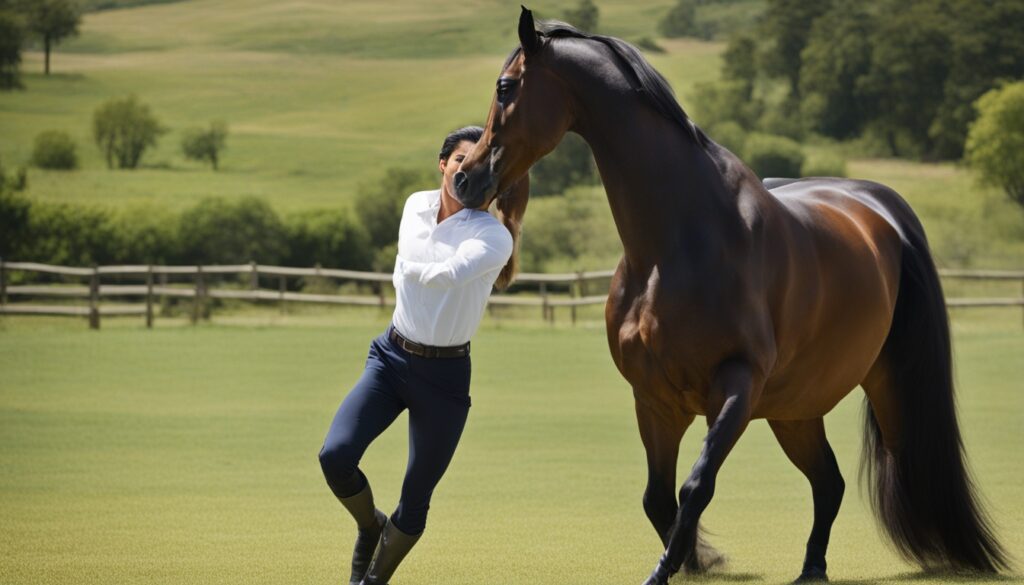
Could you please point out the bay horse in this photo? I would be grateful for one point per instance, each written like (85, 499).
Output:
(737, 303)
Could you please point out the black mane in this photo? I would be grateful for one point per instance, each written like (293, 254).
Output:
(646, 78)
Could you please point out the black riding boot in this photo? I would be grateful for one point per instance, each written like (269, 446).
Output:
(394, 545)
(370, 522)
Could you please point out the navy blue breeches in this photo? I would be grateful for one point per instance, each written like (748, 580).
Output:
(436, 392)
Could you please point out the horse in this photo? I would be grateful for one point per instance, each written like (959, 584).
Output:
(736, 303)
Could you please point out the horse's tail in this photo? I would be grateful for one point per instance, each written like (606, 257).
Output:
(921, 489)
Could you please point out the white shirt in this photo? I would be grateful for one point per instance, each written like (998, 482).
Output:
(445, 271)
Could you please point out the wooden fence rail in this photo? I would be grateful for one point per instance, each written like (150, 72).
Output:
(199, 291)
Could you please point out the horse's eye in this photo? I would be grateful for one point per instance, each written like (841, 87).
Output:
(505, 87)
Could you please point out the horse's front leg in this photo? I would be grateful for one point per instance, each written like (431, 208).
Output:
(729, 407)
(661, 430)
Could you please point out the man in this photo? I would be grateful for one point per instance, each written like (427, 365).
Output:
(449, 257)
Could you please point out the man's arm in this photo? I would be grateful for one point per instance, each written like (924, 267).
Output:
(473, 258)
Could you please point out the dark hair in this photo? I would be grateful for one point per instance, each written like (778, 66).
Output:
(467, 134)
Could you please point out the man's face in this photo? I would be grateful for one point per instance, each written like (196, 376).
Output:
(451, 166)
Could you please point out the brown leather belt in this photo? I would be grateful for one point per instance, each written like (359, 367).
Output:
(428, 351)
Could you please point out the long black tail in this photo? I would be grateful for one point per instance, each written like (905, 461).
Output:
(921, 490)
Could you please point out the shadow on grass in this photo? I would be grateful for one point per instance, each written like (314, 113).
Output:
(921, 576)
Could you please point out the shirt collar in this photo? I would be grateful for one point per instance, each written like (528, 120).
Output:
(429, 213)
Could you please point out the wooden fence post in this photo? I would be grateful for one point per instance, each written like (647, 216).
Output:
(149, 297)
(94, 298)
(197, 297)
(254, 276)
(577, 292)
(281, 288)
(163, 284)
(544, 301)
(3, 283)
(380, 295)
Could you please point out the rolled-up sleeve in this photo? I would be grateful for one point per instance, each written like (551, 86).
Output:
(474, 257)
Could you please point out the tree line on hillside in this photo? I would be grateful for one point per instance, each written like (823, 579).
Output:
(904, 72)
(213, 231)
(559, 236)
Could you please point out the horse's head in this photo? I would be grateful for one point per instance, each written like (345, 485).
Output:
(529, 115)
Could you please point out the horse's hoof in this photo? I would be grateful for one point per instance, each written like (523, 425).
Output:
(812, 574)
(658, 577)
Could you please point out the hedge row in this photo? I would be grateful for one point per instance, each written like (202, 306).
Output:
(214, 231)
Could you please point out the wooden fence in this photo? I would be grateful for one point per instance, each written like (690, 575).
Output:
(567, 290)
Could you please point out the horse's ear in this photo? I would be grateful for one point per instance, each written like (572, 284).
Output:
(511, 209)
(527, 32)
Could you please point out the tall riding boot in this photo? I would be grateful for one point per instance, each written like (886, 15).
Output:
(394, 545)
(370, 522)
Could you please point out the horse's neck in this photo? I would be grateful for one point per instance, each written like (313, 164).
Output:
(666, 193)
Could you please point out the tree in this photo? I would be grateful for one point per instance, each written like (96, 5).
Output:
(584, 16)
(379, 205)
(680, 20)
(14, 219)
(124, 129)
(995, 143)
(54, 20)
(987, 47)
(11, 38)
(787, 25)
(570, 163)
(739, 63)
(835, 60)
(910, 63)
(205, 144)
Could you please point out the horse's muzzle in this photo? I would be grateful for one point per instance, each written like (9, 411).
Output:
(472, 191)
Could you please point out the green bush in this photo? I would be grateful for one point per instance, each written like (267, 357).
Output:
(332, 239)
(648, 45)
(773, 156)
(217, 231)
(14, 223)
(730, 135)
(680, 20)
(379, 205)
(73, 235)
(55, 149)
(823, 164)
(147, 234)
(12, 37)
(569, 164)
(584, 17)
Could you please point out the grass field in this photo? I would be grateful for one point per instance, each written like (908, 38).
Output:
(188, 455)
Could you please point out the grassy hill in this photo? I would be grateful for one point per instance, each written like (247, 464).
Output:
(319, 95)
(322, 96)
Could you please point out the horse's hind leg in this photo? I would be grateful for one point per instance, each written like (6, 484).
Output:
(807, 447)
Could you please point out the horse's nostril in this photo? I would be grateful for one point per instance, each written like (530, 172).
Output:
(461, 181)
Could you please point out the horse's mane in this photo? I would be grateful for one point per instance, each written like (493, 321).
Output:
(646, 78)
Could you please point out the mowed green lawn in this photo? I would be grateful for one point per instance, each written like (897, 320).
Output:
(188, 455)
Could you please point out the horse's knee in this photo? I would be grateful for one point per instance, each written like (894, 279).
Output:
(696, 493)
